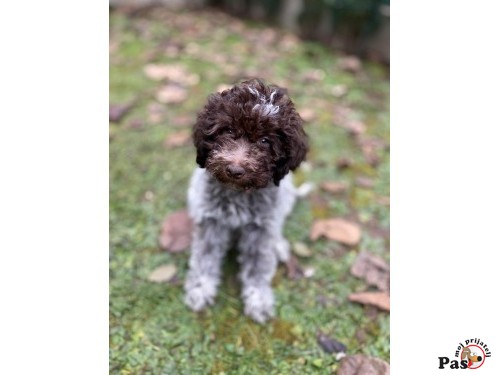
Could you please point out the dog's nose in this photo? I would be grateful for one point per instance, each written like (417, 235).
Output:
(235, 171)
(479, 358)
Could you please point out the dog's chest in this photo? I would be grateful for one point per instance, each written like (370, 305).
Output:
(236, 210)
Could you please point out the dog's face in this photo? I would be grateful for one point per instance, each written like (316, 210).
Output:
(249, 135)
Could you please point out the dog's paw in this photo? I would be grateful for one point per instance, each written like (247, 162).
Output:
(259, 303)
(200, 295)
(282, 249)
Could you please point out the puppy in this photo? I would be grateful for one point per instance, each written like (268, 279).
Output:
(247, 139)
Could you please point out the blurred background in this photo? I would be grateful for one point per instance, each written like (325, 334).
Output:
(165, 58)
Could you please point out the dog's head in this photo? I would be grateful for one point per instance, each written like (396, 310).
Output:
(249, 135)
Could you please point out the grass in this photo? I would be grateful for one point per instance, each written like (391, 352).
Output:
(151, 330)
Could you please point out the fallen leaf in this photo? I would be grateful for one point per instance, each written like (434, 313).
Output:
(336, 229)
(339, 90)
(373, 269)
(183, 120)
(177, 139)
(156, 113)
(174, 73)
(171, 93)
(371, 149)
(118, 111)
(350, 64)
(163, 273)
(301, 249)
(333, 187)
(344, 163)
(365, 182)
(176, 232)
(293, 270)
(378, 299)
(328, 344)
(362, 365)
(307, 114)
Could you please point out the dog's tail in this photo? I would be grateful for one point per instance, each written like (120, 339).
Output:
(304, 190)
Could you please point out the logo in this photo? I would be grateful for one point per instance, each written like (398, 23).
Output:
(470, 356)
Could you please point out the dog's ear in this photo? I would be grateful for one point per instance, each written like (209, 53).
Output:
(465, 352)
(199, 144)
(294, 144)
(205, 127)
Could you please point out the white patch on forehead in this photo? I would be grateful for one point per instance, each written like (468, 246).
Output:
(266, 106)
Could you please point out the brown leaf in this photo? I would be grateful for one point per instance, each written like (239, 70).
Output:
(336, 229)
(365, 182)
(373, 269)
(118, 111)
(350, 64)
(183, 120)
(163, 273)
(156, 113)
(333, 187)
(178, 139)
(371, 149)
(363, 365)
(344, 162)
(293, 270)
(378, 299)
(171, 93)
(307, 114)
(174, 73)
(176, 232)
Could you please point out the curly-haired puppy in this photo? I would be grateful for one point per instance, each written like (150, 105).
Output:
(247, 139)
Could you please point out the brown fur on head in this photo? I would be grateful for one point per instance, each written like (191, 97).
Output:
(249, 135)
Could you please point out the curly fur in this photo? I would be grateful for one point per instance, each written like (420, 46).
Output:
(247, 139)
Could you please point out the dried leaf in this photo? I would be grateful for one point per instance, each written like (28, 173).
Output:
(350, 64)
(307, 114)
(362, 365)
(333, 187)
(156, 113)
(171, 93)
(183, 120)
(118, 111)
(163, 273)
(173, 73)
(344, 162)
(337, 229)
(378, 299)
(373, 269)
(177, 139)
(328, 344)
(339, 90)
(371, 149)
(176, 232)
(365, 182)
(300, 249)
(293, 269)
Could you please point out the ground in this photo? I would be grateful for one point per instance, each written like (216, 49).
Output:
(346, 105)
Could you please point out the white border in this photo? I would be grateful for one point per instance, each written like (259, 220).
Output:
(54, 187)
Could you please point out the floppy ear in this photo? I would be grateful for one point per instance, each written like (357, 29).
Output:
(199, 143)
(465, 352)
(295, 147)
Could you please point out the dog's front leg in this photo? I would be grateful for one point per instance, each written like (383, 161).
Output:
(258, 264)
(210, 242)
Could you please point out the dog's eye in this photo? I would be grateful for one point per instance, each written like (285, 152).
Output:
(229, 131)
(265, 141)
